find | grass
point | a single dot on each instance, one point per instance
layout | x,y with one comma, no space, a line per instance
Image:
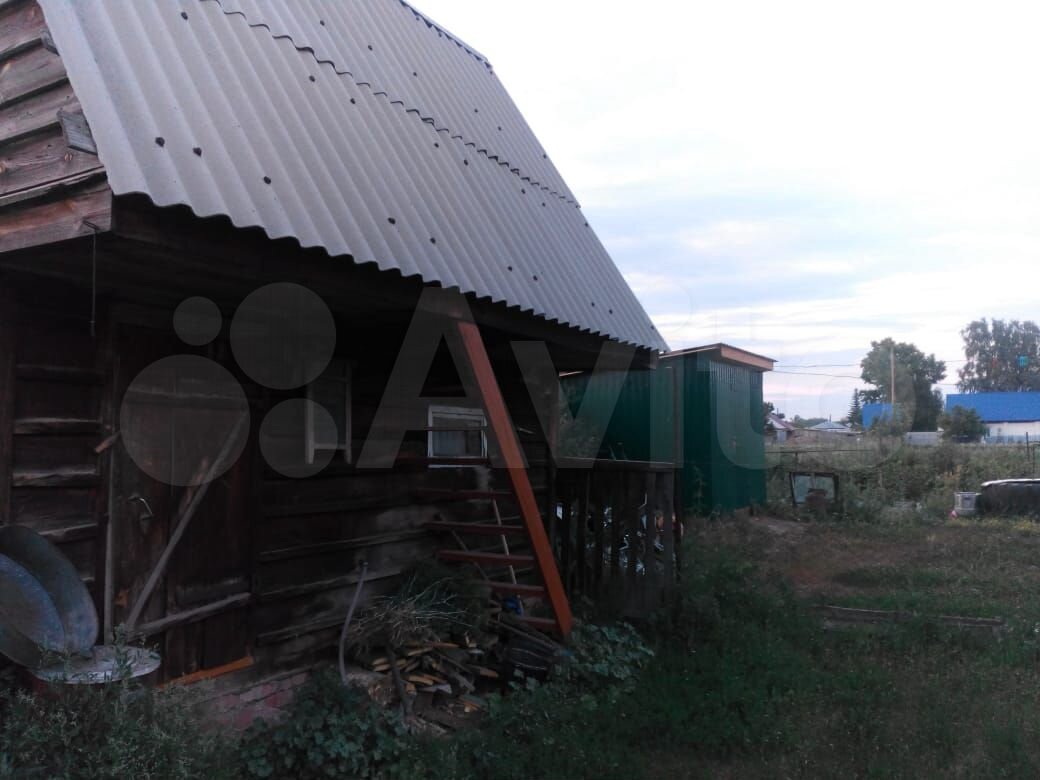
914,700
743,682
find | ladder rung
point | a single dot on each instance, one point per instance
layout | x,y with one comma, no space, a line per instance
510,587
484,529
485,558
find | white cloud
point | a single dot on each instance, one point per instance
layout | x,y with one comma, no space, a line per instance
900,136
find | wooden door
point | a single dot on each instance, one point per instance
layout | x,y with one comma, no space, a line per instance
173,425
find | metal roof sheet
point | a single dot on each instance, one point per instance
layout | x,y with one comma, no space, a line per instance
998,407
280,115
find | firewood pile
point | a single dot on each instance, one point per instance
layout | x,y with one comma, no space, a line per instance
438,654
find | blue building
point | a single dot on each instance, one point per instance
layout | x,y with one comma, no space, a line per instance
1009,416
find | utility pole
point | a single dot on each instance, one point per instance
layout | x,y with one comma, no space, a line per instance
892,380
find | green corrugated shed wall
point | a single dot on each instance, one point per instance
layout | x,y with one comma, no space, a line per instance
722,448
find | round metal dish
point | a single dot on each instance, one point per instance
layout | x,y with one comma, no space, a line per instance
105,664
30,625
60,581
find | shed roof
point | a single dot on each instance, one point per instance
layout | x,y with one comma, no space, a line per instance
362,128
999,407
730,354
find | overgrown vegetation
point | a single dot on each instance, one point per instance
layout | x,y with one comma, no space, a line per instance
735,678
877,475
117,731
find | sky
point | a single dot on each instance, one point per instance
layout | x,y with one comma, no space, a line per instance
797,179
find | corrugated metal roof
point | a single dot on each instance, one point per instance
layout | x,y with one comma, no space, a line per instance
998,407
279,115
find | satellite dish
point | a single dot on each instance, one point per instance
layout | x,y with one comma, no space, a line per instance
43,600
30,625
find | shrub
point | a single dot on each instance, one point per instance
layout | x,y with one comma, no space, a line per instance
115,731
330,731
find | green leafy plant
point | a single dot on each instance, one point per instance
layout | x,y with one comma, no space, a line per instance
115,731
330,731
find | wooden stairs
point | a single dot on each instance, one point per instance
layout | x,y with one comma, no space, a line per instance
500,564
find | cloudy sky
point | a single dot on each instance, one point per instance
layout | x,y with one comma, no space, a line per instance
797,179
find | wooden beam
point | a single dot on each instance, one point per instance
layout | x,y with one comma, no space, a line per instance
194,615
509,446
37,223
212,674
72,476
54,426
8,318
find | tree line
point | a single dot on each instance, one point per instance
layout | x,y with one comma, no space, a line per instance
1001,356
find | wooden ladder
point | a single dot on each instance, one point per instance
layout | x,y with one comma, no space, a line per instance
529,522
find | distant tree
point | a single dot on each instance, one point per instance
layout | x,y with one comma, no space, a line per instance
807,422
964,425
918,403
1002,357
768,408
855,415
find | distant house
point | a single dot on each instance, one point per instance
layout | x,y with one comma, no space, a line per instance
1009,416
875,412
829,428
779,429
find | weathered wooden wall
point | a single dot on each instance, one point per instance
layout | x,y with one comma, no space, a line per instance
48,189
52,420
270,564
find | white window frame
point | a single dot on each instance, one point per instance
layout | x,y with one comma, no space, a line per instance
339,370
464,413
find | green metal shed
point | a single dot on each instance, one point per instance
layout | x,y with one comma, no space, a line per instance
700,409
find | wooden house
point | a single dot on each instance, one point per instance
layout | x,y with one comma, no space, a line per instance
176,178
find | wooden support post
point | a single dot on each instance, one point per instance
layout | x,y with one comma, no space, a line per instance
8,344
580,544
509,446
650,579
598,519
567,537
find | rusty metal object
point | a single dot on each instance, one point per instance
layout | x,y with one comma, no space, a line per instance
60,582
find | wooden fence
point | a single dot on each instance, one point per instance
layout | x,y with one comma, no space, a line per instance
616,530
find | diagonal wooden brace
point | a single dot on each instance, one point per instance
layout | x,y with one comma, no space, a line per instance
509,445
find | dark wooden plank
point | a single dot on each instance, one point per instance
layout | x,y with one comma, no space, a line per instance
21,25
29,73
73,533
581,524
650,559
36,115
566,534
51,510
597,508
71,476
70,374
36,224
194,615
50,426
308,550
76,131
634,485
42,159
618,496
8,342
307,588
667,533
43,453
